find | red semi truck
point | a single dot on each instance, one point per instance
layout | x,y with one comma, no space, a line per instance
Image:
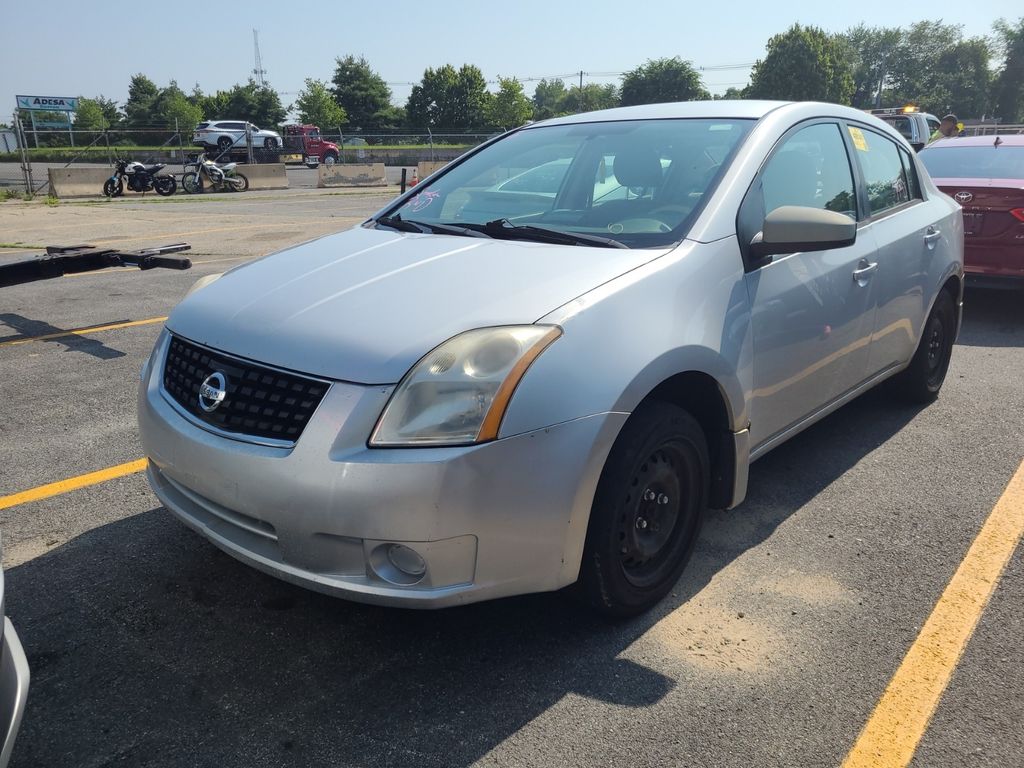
306,139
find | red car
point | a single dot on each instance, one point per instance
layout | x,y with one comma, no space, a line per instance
985,174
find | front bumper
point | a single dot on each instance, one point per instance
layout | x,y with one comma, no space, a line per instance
503,518
14,679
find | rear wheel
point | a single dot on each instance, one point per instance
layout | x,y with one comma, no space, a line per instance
165,185
113,188
921,381
647,511
223,143
238,183
191,183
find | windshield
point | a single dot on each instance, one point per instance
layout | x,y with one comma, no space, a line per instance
974,162
639,182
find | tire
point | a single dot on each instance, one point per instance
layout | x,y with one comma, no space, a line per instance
270,143
921,381
223,143
112,188
192,183
238,183
330,158
647,512
165,185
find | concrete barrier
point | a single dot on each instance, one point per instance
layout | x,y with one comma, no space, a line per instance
78,182
346,175
424,169
265,175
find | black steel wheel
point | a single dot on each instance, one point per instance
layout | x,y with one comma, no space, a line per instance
921,381
270,143
647,511
113,188
165,185
224,142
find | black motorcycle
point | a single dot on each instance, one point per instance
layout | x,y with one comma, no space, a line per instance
139,178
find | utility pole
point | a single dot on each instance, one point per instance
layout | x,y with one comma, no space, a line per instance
580,100
259,71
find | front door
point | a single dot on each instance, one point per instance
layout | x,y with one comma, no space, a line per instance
812,313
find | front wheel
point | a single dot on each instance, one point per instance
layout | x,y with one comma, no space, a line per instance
921,381
270,143
113,188
330,158
647,511
165,185
238,183
191,183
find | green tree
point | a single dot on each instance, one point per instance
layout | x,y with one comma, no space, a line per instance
509,108
662,80
917,72
870,51
90,116
963,81
732,93
258,104
1008,88
548,98
803,64
590,97
138,110
316,105
448,100
172,108
363,94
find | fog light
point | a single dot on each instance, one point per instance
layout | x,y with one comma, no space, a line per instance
406,560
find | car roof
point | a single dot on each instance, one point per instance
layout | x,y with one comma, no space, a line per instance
1005,140
718,108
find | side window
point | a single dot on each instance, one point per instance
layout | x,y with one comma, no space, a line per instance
811,169
933,126
882,168
910,172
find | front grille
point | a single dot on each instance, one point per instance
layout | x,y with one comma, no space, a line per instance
259,402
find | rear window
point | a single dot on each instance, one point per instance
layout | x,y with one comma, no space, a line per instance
901,124
201,126
974,162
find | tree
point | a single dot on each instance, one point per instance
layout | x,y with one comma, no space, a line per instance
548,97
258,104
316,105
362,93
1008,88
920,70
963,81
732,93
449,100
90,116
138,110
803,64
870,51
172,108
662,80
509,108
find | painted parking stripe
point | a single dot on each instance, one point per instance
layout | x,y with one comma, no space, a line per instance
72,484
901,716
82,331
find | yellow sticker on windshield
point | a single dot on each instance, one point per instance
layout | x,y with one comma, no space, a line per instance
858,138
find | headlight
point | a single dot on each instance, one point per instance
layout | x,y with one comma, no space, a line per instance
458,393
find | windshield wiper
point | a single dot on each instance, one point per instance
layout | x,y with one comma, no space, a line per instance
506,229
409,225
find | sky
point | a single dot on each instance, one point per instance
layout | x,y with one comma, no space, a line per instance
88,49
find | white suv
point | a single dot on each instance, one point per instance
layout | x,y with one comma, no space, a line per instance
223,134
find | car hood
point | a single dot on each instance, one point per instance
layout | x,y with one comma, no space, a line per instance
364,305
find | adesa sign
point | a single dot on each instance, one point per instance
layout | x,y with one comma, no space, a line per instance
48,103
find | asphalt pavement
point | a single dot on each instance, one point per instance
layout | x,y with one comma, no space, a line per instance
149,647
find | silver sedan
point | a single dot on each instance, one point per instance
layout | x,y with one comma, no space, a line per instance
489,389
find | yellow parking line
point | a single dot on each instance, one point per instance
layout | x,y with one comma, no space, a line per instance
82,331
71,484
895,728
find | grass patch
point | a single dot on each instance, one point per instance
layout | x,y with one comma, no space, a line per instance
21,246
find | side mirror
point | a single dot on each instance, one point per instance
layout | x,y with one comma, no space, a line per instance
794,228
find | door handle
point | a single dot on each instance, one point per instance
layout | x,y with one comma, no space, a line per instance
864,270
931,235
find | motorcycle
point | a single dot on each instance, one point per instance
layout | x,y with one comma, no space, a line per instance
139,178
219,177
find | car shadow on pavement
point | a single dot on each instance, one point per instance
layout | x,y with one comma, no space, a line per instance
149,646
993,318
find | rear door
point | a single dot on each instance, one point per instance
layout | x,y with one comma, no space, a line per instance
812,313
910,238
